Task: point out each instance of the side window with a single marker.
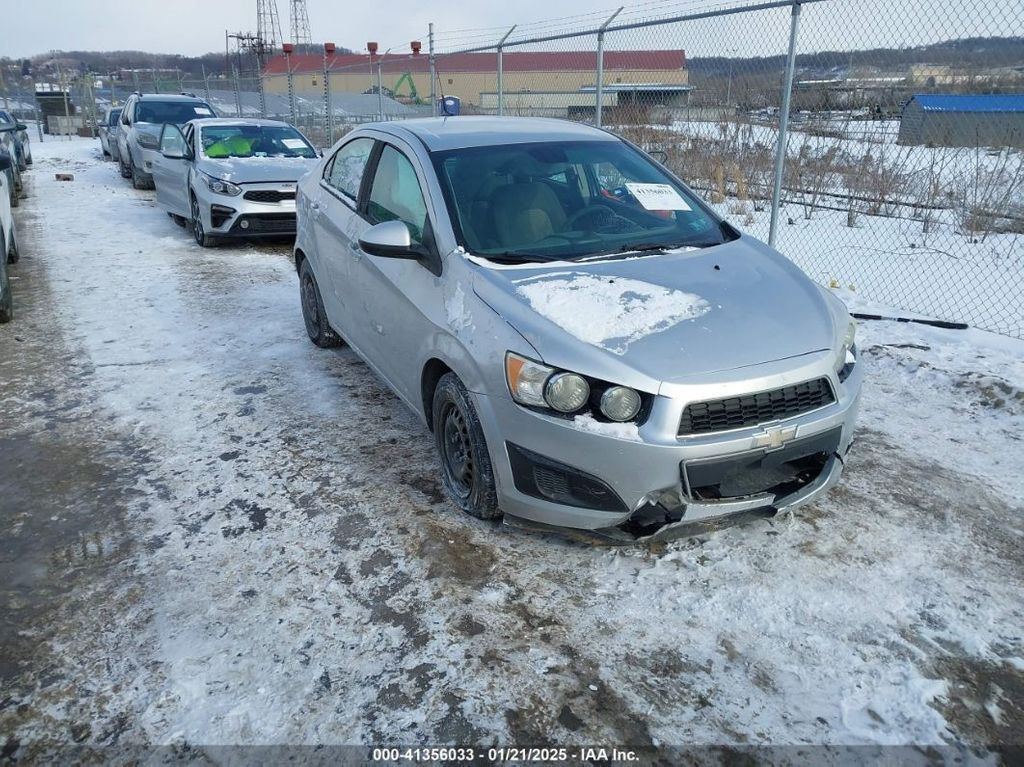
(345, 172)
(171, 140)
(396, 195)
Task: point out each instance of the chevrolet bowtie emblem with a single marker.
(775, 437)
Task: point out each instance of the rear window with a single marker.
(178, 112)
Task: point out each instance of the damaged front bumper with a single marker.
(551, 475)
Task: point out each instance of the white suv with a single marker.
(142, 119)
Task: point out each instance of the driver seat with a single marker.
(525, 213)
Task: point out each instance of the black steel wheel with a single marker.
(6, 299)
(125, 168)
(202, 239)
(317, 327)
(466, 472)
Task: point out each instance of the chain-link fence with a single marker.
(902, 176)
(901, 173)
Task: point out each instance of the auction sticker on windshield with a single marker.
(657, 196)
(203, 111)
(294, 143)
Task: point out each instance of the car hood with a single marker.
(666, 317)
(250, 170)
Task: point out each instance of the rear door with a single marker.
(170, 174)
(334, 216)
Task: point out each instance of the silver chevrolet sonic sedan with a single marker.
(590, 344)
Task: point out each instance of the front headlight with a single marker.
(526, 380)
(539, 386)
(567, 392)
(620, 403)
(846, 358)
(222, 187)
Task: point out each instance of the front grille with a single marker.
(268, 195)
(754, 409)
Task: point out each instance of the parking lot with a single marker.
(216, 533)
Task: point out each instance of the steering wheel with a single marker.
(590, 210)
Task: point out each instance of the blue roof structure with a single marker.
(948, 102)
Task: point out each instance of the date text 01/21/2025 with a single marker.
(504, 754)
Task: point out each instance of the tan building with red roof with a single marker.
(554, 82)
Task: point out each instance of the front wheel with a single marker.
(125, 168)
(202, 239)
(6, 299)
(13, 253)
(139, 181)
(317, 327)
(466, 472)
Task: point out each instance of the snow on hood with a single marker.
(665, 318)
(609, 311)
(250, 170)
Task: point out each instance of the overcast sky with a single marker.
(192, 27)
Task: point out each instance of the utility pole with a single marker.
(301, 34)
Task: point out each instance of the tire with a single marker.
(199, 234)
(126, 171)
(13, 252)
(139, 181)
(313, 314)
(466, 472)
(6, 299)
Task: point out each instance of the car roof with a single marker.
(250, 121)
(443, 133)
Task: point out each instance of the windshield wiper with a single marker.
(509, 257)
(624, 251)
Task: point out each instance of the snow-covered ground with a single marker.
(215, 533)
(893, 257)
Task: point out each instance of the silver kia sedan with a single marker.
(231, 177)
(590, 344)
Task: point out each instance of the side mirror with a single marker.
(21, 126)
(175, 154)
(391, 239)
(659, 154)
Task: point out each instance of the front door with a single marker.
(170, 171)
(399, 301)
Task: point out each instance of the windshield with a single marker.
(176, 112)
(255, 141)
(566, 200)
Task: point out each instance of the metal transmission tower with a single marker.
(301, 35)
(268, 25)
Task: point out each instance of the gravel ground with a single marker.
(215, 533)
